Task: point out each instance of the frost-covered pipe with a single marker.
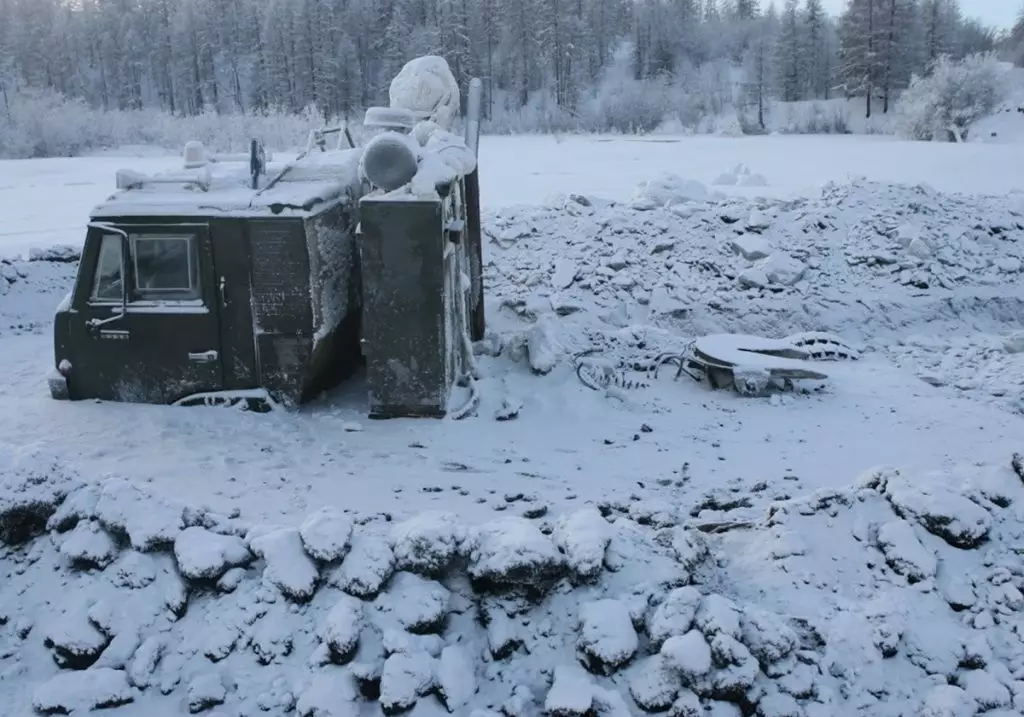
(474, 103)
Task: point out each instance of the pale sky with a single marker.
(1000, 13)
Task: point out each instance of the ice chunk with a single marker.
(288, 567)
(751, 247)
(564, 274)
(783, 269)
(904, 552)
(571, 693)
(203, 555)
(542, 344)
(584, 536)
(427, 543)
(326, 535)
(71, 692)
(669, 189)
(674, 616)
(607, 637)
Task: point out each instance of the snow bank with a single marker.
(865, 260)
(903, 599)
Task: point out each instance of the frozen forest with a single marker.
(548, 65)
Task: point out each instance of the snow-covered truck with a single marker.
(242, 279)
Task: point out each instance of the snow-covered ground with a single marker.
(44, 201)
(640, 547)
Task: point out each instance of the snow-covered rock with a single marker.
(74, 692)
(607, 639)
(205, 691)
(148, 521)
(718, 615)
(512, 552)
(203, 555)
(288, 567)
(654, 684)
(952, 517)
(456, 677)
(326, 535)
(583, 536)
(76, 642)
(330, 693)
(904, 552)
(687, 655)
(571, 693)
(405, 678)
(668, 189)
(427, 543)
(342, 628)
(947, 701)
(89, 545)
(675, 615)
(29, 496)
(419, 605)
(368, 565)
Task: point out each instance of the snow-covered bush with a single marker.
(621, 103)
(812, 118)
(944, 104)
(45, 123)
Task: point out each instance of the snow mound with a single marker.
(428, 543)
(740, 176)
(668, 190)
(901, 600)
(512, 552)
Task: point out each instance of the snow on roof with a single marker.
(309, 182)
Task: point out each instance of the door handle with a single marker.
(203, 356)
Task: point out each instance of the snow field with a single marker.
(899, 594)
(46, 201)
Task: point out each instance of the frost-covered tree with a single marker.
(861, 38)
(814, 50)
(758, 64)
(788, 63)
(944, 104)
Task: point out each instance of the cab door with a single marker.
(147, 328)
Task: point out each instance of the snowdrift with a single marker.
(898, 595)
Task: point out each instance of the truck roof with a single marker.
(306, 186)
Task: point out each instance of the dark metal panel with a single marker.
(231, 263)
(474, 249)
(281, 302)
(405, 342)
(336, 291)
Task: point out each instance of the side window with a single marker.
(107, 283)
(166, 267)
